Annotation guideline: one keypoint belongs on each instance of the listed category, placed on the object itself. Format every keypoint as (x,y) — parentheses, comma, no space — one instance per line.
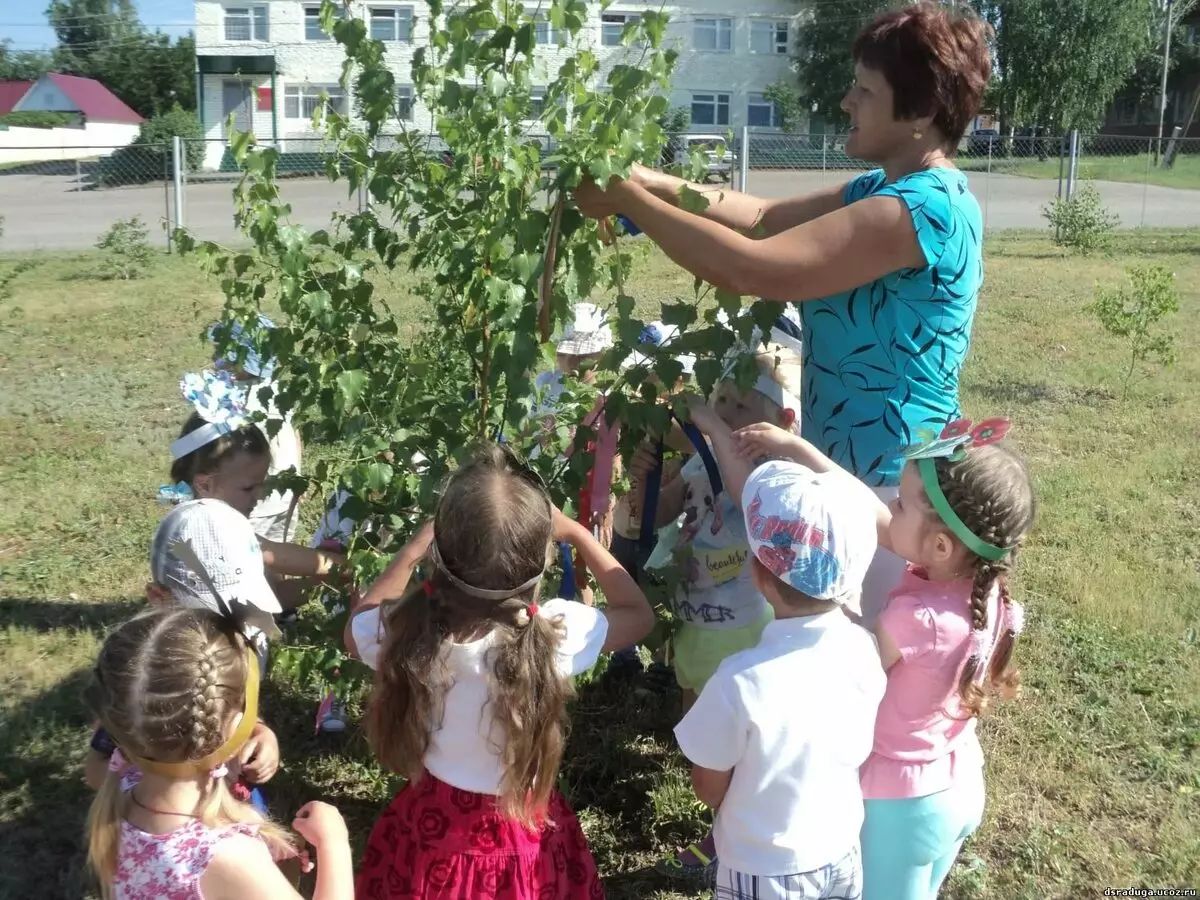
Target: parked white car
(714,146)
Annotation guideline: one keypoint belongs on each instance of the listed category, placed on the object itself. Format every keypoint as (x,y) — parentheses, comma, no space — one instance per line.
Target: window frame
(772,28)
(542,26)
(701,22)
(256,14)
(717,103)
(310,95)
(312,16)
(760,100)
(402,18)
(625,17)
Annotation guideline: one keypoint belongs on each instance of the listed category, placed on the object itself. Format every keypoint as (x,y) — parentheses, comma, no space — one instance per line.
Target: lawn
(1094,775)
(1138,169)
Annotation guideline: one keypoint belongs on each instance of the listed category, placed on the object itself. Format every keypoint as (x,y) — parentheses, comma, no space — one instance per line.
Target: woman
(886,269)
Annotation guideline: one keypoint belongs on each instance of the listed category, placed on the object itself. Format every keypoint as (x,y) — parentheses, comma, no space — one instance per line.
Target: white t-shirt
(465,751)
(333,525)
(714,549)
(794,718)
(285,450)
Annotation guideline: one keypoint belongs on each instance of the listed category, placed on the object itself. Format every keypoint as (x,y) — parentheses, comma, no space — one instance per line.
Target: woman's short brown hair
(936,61)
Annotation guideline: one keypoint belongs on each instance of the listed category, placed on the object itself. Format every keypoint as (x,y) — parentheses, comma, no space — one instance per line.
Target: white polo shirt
(794,718)
(465,751)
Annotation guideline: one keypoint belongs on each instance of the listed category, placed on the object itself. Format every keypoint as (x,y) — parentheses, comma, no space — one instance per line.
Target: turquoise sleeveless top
(883,359)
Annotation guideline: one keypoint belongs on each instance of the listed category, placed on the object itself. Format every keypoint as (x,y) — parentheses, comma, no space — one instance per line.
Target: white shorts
(841,880)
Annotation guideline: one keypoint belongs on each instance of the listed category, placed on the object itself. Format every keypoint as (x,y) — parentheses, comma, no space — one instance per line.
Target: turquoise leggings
(908,846)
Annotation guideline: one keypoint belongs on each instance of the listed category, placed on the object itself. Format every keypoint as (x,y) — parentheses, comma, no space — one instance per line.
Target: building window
(1193,35)
(713,34)
(404,103)
(246,23)
(312,24)
(547,34)
(392,23)
(611,26)
(710,109)
(1125,111)
(537,102)
(301,101)
(769,36)
(761,112)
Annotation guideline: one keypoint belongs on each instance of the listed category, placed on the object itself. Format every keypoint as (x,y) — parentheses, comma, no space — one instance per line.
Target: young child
(220,455)
(779,731)
(228,549)
(178,691)
(272,517)
(946,636)
(471,689)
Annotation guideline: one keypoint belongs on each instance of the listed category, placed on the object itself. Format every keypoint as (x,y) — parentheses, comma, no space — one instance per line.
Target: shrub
(1081,223)
(38,119)
(149,156)
(126,249)
(1135,313)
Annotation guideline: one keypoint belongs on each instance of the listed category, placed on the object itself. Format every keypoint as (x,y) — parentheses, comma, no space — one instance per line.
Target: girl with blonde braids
(946,638)
(178,692)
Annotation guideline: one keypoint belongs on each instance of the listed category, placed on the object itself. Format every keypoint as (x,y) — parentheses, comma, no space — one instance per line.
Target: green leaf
(350,386)
(379,476)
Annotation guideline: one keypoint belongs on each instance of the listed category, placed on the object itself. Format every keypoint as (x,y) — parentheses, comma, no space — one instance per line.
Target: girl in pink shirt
(945,637)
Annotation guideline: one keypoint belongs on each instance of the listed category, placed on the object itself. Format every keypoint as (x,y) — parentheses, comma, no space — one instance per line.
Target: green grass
(1137,169)
(1094,776)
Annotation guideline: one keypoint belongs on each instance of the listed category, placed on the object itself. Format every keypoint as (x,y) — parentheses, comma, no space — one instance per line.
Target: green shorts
(698,651)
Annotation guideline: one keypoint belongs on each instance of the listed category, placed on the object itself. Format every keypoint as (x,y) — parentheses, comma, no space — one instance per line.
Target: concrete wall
(737,73)
(47,144)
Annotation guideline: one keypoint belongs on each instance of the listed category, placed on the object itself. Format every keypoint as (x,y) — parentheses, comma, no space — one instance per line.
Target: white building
(268,62)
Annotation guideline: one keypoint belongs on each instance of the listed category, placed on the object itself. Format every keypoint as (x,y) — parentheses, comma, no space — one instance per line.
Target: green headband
(933,489)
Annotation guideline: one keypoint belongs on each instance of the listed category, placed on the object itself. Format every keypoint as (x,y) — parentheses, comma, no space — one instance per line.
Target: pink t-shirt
(922,740)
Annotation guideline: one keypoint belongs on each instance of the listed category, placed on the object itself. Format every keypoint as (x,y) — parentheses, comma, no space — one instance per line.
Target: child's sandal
(673,866)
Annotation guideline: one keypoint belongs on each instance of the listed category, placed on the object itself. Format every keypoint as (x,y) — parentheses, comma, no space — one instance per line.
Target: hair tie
(117,761)
(427,588)
(532,609)
(218,771)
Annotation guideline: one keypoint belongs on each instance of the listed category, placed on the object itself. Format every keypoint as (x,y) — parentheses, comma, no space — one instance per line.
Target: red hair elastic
(532,609)
(427,587)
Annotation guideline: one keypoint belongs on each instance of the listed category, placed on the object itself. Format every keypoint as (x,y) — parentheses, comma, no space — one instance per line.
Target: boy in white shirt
(777,735)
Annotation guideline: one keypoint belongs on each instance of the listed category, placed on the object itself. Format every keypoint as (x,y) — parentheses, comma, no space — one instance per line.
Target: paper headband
(219,401)
(954,442)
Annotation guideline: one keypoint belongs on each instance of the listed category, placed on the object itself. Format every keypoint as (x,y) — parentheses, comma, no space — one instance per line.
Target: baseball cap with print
(224,542)
(813,531)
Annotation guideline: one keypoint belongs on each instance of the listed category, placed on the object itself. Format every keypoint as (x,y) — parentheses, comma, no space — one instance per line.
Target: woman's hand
(765,439)
(596,202)
(260,756)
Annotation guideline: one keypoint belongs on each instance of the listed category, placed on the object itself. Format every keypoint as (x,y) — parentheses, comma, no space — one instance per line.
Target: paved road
(55,212)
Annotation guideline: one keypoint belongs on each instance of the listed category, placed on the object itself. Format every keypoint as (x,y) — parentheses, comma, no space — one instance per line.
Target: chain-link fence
(69,203)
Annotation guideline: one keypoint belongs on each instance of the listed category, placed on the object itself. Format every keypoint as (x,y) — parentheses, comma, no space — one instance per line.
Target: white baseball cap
(815,532)
(587,334)
(223,542)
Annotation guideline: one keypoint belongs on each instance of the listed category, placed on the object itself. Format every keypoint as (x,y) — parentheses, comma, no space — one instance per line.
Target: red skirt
(436,842)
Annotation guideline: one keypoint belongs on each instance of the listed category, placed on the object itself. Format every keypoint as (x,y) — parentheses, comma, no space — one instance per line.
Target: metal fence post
(987,188)
(177,177)
(167,163)
(744,162)
(1073,167)
(1146,181)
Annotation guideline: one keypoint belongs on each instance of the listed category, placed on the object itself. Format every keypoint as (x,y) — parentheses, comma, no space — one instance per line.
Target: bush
(1136,313)
(149,156)
(126,249)
(33,119)
(1082,223)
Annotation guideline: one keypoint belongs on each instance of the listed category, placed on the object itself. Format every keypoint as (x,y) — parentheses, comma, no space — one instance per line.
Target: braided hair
(167,686)
(991,492)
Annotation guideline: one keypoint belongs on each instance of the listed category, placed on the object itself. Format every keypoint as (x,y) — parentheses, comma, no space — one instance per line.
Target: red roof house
(11,93)
(71,93)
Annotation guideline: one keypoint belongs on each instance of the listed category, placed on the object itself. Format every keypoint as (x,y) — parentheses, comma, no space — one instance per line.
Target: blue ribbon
(650,505)
(631,229)
(567,590)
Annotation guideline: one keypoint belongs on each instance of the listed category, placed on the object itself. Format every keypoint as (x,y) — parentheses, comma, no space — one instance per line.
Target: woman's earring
(918,134)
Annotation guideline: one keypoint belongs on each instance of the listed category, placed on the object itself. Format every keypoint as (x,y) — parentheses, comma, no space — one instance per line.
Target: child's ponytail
(529,698)
(104,829)
(990,491)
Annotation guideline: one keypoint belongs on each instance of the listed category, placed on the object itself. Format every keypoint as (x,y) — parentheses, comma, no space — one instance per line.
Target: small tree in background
(125,249)
(1082,223)
(788,104)
(1136,313)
